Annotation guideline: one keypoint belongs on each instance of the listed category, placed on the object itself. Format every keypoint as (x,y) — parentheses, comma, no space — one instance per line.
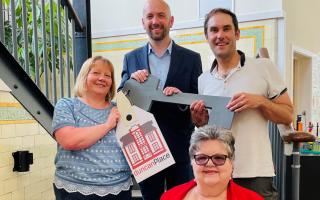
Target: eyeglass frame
(211,158)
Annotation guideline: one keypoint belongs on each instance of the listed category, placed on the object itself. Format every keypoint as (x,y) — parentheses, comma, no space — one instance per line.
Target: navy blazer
(175,123)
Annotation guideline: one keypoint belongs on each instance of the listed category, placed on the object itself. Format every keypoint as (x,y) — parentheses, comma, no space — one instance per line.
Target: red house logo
(142,144)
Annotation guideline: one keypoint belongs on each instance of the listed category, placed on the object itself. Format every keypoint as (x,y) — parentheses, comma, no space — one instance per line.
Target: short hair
(207,133)
(80,86)
(166,5)
(220,10)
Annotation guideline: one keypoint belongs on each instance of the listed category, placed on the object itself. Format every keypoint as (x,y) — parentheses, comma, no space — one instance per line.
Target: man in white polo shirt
(258,95)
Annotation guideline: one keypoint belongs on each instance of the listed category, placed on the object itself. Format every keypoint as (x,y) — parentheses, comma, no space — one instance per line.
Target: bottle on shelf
(299,124)
(310,127)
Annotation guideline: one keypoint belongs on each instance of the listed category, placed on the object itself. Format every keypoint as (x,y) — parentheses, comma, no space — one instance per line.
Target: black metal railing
(279,159)
(38,52)
(37,33)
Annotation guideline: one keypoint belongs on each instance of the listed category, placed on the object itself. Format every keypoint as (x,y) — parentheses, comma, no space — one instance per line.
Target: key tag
(141,140)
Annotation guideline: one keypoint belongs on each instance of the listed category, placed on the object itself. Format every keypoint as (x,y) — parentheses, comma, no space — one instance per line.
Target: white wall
(3,86)
(123,17)
(246,7)
(111,16)
(302,36)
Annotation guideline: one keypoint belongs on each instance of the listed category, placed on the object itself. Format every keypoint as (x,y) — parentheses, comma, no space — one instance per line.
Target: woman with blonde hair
(89,161)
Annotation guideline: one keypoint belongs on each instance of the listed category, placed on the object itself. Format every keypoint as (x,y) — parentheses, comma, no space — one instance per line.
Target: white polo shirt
(253,156)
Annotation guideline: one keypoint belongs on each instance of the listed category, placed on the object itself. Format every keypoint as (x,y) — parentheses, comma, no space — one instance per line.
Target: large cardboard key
(144,94)
(141,140)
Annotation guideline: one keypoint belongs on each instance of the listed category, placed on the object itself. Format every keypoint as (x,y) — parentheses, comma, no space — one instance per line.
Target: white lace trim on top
(90,189)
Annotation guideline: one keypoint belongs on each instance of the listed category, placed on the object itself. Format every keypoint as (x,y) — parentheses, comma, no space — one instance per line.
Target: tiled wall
(18,131)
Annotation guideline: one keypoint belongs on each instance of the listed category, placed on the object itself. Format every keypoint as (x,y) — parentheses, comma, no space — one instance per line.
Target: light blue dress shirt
(159,65)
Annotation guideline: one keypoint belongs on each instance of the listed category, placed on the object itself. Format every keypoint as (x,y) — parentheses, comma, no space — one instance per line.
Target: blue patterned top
(100,169)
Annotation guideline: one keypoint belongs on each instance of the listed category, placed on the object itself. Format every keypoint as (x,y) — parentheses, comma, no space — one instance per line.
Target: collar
(215,73)
(242,60)
(169,48)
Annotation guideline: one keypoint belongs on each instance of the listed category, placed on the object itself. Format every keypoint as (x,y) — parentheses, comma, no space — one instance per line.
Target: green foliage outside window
(41,46)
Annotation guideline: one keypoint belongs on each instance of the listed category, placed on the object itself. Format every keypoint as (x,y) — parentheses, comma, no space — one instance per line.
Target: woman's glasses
(217,159)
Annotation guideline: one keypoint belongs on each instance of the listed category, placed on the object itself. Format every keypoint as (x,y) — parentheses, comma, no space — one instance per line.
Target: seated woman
(89,161)
(212,152)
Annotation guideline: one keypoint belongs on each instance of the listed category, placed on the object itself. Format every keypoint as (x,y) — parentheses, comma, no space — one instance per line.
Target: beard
(222,55)
(157,36)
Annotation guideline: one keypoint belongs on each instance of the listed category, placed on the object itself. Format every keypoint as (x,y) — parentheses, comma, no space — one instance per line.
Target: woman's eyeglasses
(217,159)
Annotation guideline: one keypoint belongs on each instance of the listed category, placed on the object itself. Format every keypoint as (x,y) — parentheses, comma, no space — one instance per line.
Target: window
(156,146)
(131,148)
(144,150)
(140,141)
(135,158)
(151,136)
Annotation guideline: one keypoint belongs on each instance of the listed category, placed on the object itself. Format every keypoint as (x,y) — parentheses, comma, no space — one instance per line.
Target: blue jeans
(62,194)
(153,187)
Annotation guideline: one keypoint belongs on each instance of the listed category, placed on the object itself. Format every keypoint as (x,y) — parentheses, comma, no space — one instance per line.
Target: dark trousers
(62,194)
(262,185)
(153,187)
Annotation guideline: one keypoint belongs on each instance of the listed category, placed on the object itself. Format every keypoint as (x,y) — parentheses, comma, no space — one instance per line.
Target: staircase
(39,61)
(36,63)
